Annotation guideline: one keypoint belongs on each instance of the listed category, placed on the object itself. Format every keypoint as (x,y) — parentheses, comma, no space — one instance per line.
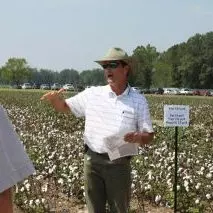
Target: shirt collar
(112,94)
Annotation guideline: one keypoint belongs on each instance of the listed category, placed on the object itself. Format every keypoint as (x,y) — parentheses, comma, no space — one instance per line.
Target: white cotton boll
(188,160)
(27,186)
(186,183)
(169,168)
(134,172)
(198,185)
(202,168)
(157,198)
(44,188)
(208,196)
(149,174)
(137,161)
(25,182)
(81,155)
(148,187)
(200,173)
(209,176)
(169,182)
(133,186)
(168,176)
(61,157)
(50,171)
(39,177)
(197,201)
(60,181)
(31,202)
(180,169)
(158,165)
(37,202)
(17,188)
(75,168)
(51,157)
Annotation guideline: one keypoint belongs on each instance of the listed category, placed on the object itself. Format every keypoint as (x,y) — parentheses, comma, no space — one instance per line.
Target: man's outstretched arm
(55,99)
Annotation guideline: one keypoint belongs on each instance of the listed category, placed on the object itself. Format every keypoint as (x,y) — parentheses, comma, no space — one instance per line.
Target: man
(15,165)
(117,121)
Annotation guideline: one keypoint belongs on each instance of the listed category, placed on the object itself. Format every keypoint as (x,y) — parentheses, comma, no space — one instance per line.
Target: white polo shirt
(107,114)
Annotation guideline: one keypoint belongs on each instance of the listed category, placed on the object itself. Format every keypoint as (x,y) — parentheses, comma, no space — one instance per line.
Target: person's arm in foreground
(6,204)
(55,99)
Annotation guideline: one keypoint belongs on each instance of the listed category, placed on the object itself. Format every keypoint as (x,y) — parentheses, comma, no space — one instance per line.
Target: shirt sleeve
(144,120)
(15,164)
(78,103)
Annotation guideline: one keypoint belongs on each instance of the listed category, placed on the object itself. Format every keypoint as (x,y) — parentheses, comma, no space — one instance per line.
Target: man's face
(115,72)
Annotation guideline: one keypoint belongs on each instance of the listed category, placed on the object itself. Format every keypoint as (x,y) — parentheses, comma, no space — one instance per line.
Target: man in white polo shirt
(117,121)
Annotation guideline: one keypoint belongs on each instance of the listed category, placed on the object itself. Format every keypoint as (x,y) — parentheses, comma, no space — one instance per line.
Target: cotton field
(54,142)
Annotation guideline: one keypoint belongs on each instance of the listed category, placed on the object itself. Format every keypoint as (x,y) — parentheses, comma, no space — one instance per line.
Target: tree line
(188,64)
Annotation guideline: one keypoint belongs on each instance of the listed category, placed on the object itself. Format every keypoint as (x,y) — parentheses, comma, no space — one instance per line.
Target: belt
(86,148)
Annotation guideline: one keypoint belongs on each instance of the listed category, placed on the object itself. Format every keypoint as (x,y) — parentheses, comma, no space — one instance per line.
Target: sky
(59,34)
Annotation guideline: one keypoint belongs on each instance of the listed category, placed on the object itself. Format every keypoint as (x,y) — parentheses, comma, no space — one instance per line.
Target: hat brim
(103,60)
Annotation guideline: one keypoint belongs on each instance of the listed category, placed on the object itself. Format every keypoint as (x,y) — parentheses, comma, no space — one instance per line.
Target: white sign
(176,115)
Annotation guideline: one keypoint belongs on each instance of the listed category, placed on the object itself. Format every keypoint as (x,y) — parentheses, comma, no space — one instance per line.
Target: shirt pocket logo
(128,114)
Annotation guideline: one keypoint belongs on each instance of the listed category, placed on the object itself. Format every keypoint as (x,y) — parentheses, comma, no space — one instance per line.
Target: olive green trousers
(107,183)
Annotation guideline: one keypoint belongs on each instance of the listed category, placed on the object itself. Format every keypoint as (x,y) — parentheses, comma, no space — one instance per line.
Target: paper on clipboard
(123,151)
(117,147)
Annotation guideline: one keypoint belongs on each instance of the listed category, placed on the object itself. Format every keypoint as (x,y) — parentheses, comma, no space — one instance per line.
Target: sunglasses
(111,65)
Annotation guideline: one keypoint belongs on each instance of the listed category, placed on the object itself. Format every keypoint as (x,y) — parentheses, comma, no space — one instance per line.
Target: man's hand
(139,137)
(56,100)
(51,96)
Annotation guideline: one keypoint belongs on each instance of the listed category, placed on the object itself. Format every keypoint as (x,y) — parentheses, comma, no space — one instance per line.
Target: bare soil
(16,209)
(82,209)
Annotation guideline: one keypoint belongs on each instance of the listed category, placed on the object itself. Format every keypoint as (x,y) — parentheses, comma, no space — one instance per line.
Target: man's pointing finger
(61,90)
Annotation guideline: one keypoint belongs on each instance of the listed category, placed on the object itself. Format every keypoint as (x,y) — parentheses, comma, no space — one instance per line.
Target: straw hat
(115,54)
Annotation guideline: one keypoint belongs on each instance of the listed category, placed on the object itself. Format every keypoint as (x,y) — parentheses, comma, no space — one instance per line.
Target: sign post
(176,116)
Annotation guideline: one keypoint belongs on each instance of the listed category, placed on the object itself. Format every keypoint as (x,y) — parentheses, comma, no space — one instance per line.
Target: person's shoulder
(137,95)
(94,89)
